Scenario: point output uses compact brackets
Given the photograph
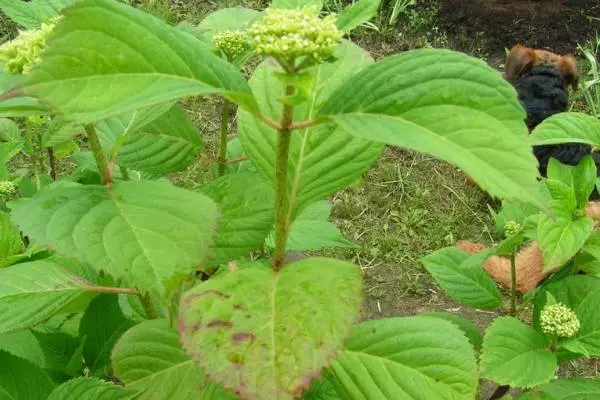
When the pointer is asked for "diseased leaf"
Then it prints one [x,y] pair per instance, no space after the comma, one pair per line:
[35,291]
[245,203]
[149,233]
[19,379]
[515,354]
[463,282]
[322,159]
[448,105]
[559,239]
[149,359]
[102,325]
[409,358]
[165,144]
[85,388]
[357,13]
[106,58]
[32,14]
[568,127]
[239,326]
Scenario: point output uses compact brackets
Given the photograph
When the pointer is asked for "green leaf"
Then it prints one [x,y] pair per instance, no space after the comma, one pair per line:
[62,352]
[149,359]
[321,389]
[166,229]
[568,389]
[515,354]
[580,178]
[513,211]
[235,151]
[465,283]
[25,345]
[10,238]
[297,3]
[168,143]
[559,239]
[227,19]
[9,130]
[32,14]
[323,159]
[246,218]
[311,230]
[357,14]
[448,105]
[564,200]
[567,127]
[106,58]
[85,388]
[469,329]
[102,325]
[310,303]
[60,132]
[19,379]
[35,291]
[587,340]
[417,358]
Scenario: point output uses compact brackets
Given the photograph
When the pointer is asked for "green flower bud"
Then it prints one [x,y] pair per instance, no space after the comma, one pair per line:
[20,55]
[579,213]
[8,190]
[511,228]
[559,320]
[232,43]
[295,33]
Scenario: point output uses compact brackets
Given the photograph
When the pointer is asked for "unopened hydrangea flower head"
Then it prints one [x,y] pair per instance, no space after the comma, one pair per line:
[20,55]
[8,190]
[559,320]
[511,228]
[232,43]
[295,33]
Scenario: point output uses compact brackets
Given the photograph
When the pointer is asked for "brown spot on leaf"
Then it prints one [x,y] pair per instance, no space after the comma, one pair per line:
[219,324]
[235,358]
[242,337]
[194,296]
[238,306]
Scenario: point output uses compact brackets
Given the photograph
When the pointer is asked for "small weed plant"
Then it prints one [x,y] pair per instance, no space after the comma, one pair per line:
[116,284]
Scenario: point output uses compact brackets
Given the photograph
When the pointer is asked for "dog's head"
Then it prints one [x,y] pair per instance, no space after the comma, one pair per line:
[521,59]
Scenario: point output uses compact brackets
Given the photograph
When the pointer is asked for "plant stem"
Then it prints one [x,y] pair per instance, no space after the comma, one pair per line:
[52,161]
[513,286]
[118,290]
[223,141]
[500,391]
[236,160]
[281,169]
[146,303]
[33,156]
[94,143]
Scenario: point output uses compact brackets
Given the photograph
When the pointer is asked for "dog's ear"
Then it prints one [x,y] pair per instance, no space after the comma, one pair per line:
[519,60]
[570,72]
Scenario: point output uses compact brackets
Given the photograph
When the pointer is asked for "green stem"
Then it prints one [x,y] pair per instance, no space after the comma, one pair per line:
[223,140]
[117,290]
[34,158]
[98,154]
[147,304]
[513,286]
[52,161]
[281,167]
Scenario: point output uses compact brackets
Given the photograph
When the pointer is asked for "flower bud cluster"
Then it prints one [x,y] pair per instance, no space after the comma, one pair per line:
[295,33]
[232,43]
[8,190]
[511,228]
[559,320]
[21,54]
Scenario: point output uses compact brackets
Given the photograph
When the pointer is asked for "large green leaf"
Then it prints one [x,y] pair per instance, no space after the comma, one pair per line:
[147,232]
[568,127]
[587,340]
[25,345]
[515,354]
[19,379]
[10,238]
[149,359]
[245,203]
[9,130]
[21,106]
[448,105]
[323,159]
[63,353]
[265,334]
[106,58]
[566,389]
[560,239]
[85,388]
[469,328]
[311,230]
[460,280]
[357,13]
[102,325]
[35,291]
[166,144]
[580,178]
[33,13]
[410,358]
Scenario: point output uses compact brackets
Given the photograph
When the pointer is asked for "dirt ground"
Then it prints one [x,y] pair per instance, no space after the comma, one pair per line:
[558,25]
